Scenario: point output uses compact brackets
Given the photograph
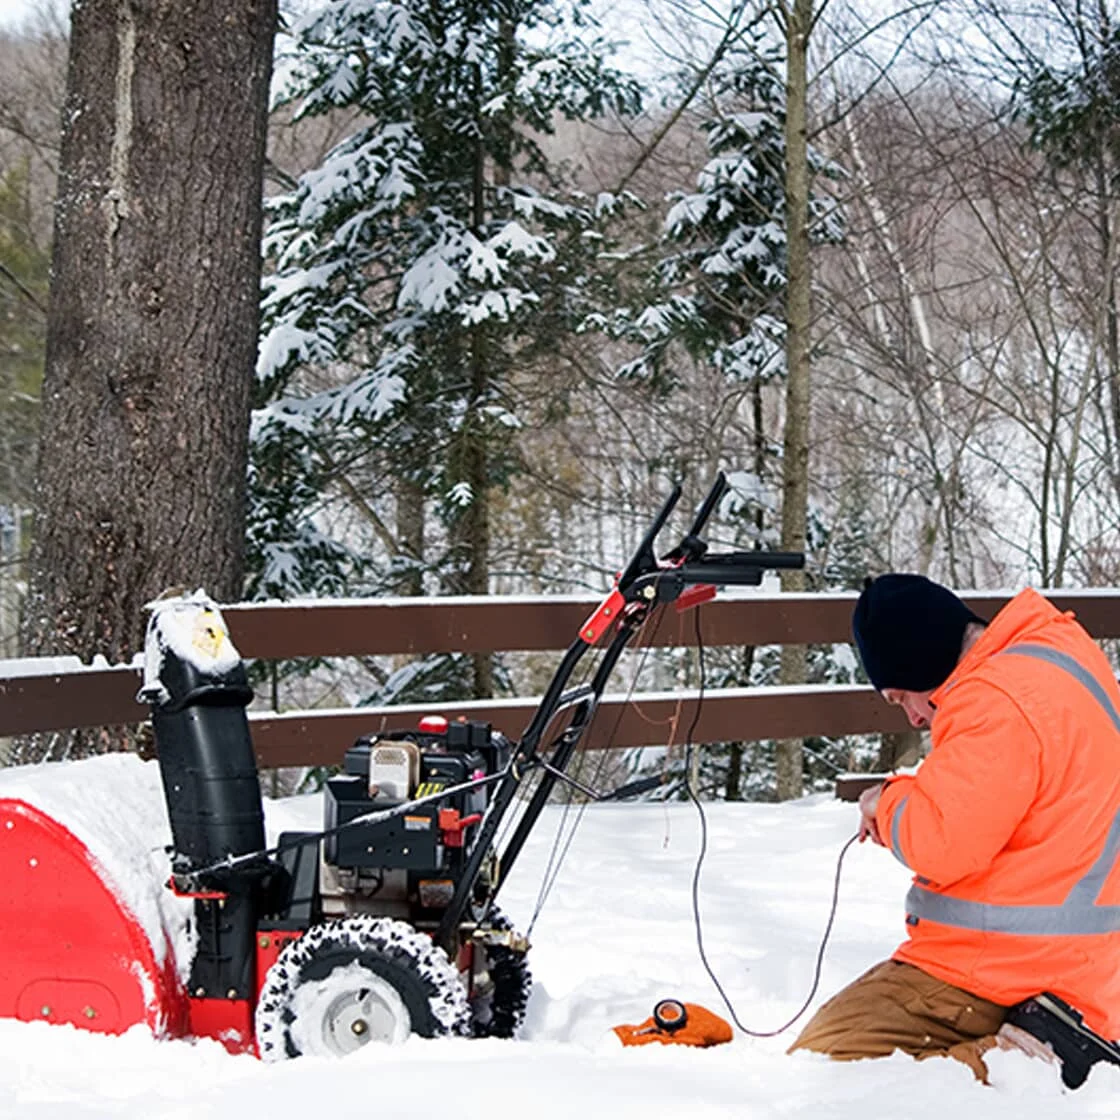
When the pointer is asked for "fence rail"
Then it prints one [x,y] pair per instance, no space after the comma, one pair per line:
[49,694]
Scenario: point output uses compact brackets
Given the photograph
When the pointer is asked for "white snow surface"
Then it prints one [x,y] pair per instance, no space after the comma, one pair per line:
[615,935]
[114,805]
[192,628]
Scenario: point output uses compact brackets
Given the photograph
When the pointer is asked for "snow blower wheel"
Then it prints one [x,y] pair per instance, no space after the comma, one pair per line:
[347,983]
[501,985]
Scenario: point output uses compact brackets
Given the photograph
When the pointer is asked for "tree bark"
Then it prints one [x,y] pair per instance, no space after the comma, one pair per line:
[410,534]
[152,326]
[795,474]
[898,748]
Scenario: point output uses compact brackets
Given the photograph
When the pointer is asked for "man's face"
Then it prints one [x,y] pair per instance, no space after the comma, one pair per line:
[919,711]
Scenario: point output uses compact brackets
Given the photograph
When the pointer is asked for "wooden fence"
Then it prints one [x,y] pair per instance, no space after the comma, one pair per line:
[47,694]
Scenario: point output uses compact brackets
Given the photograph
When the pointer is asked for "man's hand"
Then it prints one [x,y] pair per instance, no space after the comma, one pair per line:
[868,807]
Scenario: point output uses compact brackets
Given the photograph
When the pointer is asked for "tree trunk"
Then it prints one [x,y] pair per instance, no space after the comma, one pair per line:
[475,527]
[795,477]
[898,748]
[410,535]
[475,459]
[152,326]
[732,786]
[474,464]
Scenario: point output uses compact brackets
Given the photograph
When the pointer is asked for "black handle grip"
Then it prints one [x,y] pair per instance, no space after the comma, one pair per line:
[754,559]
[643,559]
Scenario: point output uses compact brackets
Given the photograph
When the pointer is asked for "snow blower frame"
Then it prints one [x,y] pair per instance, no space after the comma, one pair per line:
[383,923]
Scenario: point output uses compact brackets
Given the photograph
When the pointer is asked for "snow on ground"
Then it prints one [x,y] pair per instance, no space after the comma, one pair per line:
[114,804]
[616,934]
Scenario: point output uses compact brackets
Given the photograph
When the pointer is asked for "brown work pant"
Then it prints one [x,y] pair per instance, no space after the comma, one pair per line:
[895,1006]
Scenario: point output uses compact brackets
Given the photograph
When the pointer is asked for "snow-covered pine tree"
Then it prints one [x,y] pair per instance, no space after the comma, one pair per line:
[719,281]
[430,255]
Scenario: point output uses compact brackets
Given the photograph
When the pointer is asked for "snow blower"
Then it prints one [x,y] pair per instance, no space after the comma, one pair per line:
[384,922]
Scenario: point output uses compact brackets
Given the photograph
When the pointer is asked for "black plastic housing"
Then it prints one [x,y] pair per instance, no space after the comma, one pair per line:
[491,748]
[212,789]
[410,841]
[300,905]
[207,764]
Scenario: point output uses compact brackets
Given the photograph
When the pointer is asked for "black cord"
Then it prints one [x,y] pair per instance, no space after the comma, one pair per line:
[700,863]
[558,855]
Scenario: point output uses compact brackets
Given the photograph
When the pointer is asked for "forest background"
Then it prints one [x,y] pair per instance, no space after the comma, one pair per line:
[527,263]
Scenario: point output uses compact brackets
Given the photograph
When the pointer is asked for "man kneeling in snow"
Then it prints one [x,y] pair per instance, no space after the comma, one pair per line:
[1011,827]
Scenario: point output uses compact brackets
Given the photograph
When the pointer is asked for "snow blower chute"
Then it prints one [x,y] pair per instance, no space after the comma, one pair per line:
[384,922]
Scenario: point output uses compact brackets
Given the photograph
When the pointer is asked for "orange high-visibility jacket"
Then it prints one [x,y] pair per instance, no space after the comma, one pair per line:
[1012,823]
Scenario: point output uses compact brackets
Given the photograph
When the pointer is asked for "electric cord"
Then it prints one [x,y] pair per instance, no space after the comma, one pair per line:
[692,795]
[561,842]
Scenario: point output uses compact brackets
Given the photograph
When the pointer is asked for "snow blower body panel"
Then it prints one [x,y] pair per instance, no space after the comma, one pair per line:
[71,950]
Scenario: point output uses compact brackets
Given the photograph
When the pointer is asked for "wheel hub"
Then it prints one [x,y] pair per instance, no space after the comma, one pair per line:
[348,1009]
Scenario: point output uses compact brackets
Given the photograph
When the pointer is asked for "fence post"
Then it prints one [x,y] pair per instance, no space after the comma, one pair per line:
[898,748]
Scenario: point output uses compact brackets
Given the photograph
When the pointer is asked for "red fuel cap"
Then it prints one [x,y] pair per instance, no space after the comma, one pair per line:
[434,725]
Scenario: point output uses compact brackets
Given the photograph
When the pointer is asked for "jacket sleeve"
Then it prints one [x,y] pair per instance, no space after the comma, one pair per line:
[969,795]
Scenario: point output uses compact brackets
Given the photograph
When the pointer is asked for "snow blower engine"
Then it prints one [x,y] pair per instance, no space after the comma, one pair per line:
[325,942]
[409,863]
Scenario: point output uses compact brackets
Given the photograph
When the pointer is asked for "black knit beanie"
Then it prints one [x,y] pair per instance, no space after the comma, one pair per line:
[909,631]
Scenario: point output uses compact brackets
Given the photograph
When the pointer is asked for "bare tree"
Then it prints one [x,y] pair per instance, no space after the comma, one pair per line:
[963,364]
[796,21]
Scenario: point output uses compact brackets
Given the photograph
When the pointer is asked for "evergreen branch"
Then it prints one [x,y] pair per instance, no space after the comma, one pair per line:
[382,531]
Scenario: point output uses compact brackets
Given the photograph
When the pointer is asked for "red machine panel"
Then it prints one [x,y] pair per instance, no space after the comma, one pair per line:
[70,950]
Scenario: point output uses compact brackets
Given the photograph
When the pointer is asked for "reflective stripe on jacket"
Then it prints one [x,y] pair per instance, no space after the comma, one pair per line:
[1012,824]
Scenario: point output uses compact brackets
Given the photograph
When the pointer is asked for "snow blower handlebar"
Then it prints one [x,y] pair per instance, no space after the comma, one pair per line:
[690,564]
[645,582]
